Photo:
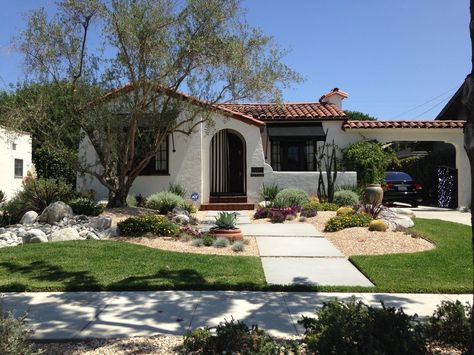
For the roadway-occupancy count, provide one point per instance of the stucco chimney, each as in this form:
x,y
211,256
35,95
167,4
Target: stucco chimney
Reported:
x,y
335,96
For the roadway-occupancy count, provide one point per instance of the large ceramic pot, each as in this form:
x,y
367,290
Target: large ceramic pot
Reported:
x,y
374,194
231,234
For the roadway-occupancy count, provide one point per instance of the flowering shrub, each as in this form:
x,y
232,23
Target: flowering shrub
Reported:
x,y
149,223
285,211
347,221
192,231
277,217
261,212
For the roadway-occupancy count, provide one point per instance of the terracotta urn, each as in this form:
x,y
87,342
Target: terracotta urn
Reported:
x,y
374,194
231,234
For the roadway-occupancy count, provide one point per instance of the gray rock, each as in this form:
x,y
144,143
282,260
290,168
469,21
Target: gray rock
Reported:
x,y
403,221
55,212
181,219
109,233
34,236
92,236
264,203
100,223
180,211
29,218
65,235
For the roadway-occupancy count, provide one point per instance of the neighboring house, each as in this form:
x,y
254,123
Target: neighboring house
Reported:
x,y
262,143
15,159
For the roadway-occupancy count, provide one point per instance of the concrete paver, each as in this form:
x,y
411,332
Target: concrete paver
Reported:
x,y
297,246
268,310
78,315
313,271
144,314
280,230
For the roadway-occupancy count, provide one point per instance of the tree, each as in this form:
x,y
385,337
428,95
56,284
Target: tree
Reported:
x,y
358,116
468,102
119,67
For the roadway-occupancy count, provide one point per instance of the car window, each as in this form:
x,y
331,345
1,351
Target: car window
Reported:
x,y
397,176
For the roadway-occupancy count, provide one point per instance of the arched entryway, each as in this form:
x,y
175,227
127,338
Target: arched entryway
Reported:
x,y
228,164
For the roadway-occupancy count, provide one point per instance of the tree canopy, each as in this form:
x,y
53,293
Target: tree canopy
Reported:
x,y
116,68
358,116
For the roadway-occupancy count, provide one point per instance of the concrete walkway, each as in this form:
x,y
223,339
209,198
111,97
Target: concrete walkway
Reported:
x,y
297,254
77,315
443,214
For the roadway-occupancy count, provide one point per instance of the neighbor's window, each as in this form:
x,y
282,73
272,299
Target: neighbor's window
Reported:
x,y
18,168
293,155
159,164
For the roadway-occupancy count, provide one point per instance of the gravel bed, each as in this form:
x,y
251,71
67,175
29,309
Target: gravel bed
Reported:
x,y
361,241
250,248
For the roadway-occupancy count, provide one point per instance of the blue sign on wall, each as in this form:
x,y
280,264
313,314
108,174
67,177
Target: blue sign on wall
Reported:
x,y
194,196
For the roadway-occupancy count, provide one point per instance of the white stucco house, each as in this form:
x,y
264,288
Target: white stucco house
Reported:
x,y
15,160
254,144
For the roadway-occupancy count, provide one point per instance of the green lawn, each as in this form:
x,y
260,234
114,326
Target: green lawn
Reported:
x,y
108,265
448,268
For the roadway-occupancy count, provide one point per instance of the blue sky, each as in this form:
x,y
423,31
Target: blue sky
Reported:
x,y
390,56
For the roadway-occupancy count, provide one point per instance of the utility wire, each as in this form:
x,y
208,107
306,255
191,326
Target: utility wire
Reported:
x,y
425,103
434,106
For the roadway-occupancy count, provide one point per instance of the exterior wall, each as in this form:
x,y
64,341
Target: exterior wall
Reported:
x,y
8,183
189,165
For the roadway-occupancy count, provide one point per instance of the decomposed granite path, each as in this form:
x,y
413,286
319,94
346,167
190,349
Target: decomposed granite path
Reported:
x,y
298,254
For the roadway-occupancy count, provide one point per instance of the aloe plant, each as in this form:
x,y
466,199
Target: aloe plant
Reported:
x,y
226,220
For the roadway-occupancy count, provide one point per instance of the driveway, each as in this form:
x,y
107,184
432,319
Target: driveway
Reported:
x,y
444,214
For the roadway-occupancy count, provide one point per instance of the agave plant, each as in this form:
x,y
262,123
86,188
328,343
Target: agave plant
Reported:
x,y
226,220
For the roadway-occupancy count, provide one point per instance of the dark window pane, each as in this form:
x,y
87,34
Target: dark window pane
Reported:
x,y
18,168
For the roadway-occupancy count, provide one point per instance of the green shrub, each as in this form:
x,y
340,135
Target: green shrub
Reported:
x,y
226,220
321,206
231,337
238,246
308,213
369,160
221,243
208,240
3,197
346,198
355,328
269,192
56,164
149,223
86,206
12,211
378,225
347,221
290,197
14,335
189,207
197,242
131,201
178,189
164,201
450,324
37,194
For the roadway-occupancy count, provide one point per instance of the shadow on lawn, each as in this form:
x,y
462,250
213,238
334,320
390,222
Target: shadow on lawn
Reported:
x,y
43,271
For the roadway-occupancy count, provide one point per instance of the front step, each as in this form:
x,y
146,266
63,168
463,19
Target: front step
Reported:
x,y
228,199
227,206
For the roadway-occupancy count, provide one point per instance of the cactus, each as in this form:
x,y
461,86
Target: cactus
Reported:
x,y
378,225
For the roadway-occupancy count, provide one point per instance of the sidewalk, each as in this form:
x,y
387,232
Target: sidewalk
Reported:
x,y
76,315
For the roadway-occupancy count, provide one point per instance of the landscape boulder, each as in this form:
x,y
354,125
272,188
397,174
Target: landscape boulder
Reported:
x,y
34,236
55,212
65,234
29,218
100,223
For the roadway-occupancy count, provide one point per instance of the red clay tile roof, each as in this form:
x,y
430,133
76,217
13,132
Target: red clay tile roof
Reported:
x,y
288,111
402,124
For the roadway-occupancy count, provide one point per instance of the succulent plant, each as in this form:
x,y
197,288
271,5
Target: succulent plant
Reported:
x,y
226,220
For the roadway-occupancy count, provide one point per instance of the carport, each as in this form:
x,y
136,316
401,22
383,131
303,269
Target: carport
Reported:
x,y
415,131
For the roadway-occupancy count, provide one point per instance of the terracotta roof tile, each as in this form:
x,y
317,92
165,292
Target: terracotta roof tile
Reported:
x,y
402,124
288,111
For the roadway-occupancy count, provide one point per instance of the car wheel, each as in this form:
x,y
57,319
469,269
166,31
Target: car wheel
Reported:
x,y
414,204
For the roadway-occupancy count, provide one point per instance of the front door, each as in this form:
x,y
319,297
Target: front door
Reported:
x,y
227,164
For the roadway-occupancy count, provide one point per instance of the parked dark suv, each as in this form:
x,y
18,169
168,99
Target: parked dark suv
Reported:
x,y
400,187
